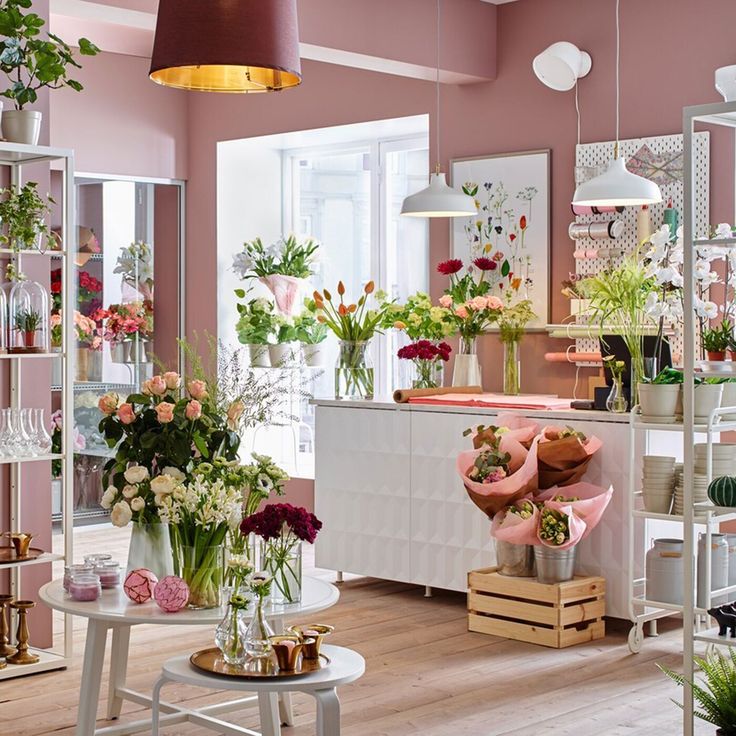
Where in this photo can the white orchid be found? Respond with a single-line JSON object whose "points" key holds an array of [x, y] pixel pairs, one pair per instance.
{"points": [[705, 309], [723, 230]]}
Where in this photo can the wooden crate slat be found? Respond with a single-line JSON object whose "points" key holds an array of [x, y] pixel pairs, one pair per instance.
{"points": [[491, 582], [570, 637], [525, 610], [513, 630], [582, 612], [579, 588]]}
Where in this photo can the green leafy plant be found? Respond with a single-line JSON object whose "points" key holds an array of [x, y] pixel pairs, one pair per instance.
{"points": [[514, 319], [256, 322], [29, 60], [287, 257], [27, 320], [718, 339], [23, 213], [668, 377], [284, 329], [715, 698], [308, 330]]}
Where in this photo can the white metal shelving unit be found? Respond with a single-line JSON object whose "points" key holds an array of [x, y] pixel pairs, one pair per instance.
{"points": [[16, 157]]}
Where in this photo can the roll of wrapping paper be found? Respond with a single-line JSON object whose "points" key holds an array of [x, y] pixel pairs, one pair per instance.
{"points": [[402, 395]]}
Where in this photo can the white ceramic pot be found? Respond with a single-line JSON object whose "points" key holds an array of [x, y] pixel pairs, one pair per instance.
{"points": [[658, 402], [22, 126], [259, 356], [729, 399], [315, 355], [466, 371], [281, 354], [707, 398]]}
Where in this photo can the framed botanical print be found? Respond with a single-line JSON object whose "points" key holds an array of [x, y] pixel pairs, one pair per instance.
{"points": [[512, 226]]}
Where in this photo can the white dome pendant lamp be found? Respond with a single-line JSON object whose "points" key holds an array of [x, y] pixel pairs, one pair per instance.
{"points": [[617, 186], [438, 199]]}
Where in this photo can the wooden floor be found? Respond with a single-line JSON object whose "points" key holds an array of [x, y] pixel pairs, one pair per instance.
{"points": [[425, 673]]}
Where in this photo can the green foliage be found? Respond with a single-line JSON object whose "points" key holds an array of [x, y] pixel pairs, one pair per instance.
{"points": [[27, 320], [256, 322], [420, 319], [667, 377], [287, 257], [31, 62], [718, 339], [23, 214], [284, 329], [308, 330], [513, 320], [715, 698]]}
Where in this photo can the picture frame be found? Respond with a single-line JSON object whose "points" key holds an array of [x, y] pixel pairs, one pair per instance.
{"points": [[508, 187]]}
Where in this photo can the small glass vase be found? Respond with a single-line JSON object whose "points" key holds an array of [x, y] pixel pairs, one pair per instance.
{"points": [[511, 368], [203, 570], [150, 548], [282, 559], [467, 368], [231, 635], [259, 633], [616, 401], [429, 373], [354, 371]]}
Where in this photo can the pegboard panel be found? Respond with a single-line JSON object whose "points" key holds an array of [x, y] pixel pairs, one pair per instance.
{"points": [[661, 159]]}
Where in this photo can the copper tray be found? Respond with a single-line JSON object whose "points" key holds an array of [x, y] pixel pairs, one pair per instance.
{"points": [[210, 660], [7, 554]]}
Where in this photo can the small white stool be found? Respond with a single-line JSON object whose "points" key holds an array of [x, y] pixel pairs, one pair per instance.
{"points": [[345, 666]]}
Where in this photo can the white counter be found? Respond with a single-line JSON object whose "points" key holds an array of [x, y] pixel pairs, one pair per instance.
{"points": [[393, 506]]}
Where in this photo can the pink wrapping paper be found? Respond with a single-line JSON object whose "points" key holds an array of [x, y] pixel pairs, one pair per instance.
{"points": [[285, 290], [576, 525], [593, 502], [512, 528]]}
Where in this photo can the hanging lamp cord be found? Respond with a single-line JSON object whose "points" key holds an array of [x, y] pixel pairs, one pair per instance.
{"points": [[618, 75], [437, 88]]}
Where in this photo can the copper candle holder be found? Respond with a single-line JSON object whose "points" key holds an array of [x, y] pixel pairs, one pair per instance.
{"points": [[22, 656], [287, 650], [21, 541], [311, 636], [5, 649]]}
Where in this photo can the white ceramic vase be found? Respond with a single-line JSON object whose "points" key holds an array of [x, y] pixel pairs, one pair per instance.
{"points": [[315, 355], [658, 402], [707, 398], [281, 354], [466, 371], [22, 126], [259, 356]]}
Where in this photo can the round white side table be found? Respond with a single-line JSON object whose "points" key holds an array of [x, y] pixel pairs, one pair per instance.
{"points": [[345, 666], [114, 611]]}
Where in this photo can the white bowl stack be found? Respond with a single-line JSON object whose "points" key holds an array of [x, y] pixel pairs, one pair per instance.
{"points": [[700, 490], [658, 483], [724, 459]]}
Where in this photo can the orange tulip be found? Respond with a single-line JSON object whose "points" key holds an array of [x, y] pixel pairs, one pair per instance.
{"points": [[328, 296], [369, 287], [317, 296], [352, 308], [321, 318], [342, 310], [340, 288]]}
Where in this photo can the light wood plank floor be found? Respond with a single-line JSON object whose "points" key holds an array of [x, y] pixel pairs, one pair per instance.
{"points": [[425, 673]]}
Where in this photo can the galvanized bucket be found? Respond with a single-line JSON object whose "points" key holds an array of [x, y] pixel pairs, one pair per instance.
{"points": [[554, 565], [515, 560]]}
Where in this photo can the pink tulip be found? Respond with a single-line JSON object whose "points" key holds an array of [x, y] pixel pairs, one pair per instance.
{"points": [[165, 412], [193, 410], [126, 414]]}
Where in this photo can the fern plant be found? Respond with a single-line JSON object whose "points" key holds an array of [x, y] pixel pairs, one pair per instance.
{"points": [[715, 699]]}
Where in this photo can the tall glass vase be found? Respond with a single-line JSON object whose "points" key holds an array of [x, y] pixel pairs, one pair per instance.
{"points": [[259, 633], [231, 635], [429, 373], [150, 548], [511, 367], [203, 569], [467, 368], [354, 371], [282, 559]]}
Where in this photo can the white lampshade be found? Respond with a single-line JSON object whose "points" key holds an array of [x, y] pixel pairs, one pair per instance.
{"points": [[560, 65], [438, 200], [617, 187]]}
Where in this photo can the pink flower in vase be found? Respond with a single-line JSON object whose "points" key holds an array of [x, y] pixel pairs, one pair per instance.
{"points": [[446, 301], [461, 312], [193, 410], [165, 412], [126, 414]]}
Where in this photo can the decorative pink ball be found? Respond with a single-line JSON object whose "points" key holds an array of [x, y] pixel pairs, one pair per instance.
{"points": [[171, 593], [139, 585]]}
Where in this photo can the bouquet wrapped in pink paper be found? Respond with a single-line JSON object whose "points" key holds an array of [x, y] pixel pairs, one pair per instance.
{"points": [[499, 473], [564, 455], [514, 428], [587, 501], [517, 523], [559, 528]]}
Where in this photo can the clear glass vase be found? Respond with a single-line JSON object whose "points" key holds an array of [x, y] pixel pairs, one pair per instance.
{"points": [[467, 368], [354, 371], [259, 633], [282, 559], [150, 548], [616, 401], [428, 374], [203, 569], [511, 368], [231, 635]]}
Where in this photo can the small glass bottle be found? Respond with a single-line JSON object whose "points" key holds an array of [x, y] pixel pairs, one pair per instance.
{"points": [[110, 573], [70, 570], [259, 633], [616, 401], [85, 587]]}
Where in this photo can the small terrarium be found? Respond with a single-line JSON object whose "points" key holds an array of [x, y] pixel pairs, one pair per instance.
{"points": [[28, 317], [3, 321]]}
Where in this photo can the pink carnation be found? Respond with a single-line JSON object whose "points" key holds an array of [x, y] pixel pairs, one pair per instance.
{"points": [[446, 301], [494, 303], [461, 312], [478, 303]]}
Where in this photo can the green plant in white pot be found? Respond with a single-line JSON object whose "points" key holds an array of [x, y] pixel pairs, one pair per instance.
{"points": [[254, 327], [660, 397], [23, 214], [282, 353], [311, 334], [32, 60]]}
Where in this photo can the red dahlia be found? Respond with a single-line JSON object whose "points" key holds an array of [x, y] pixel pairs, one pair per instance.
{"points": [[448, 268], [485, 264]]}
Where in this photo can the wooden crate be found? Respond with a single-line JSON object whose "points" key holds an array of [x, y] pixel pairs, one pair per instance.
{"points": [[558, 615]]}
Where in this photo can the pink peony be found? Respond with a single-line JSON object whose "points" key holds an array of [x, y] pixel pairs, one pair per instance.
{"points": [[479, 302], [158, 386], [494, 303], [165, 412], [126, 414], [197, 389], [193, 410], [108, 404], [446, 301], [172, 379], [461, 312]]}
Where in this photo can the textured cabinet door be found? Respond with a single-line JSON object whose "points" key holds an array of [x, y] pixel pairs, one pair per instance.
{"points": [[450, 535], [362, 484]]}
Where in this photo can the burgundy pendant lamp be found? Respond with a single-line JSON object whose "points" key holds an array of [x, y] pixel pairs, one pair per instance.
{"points": [[227, 45]]}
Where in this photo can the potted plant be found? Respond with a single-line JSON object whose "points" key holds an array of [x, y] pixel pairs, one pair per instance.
{"points": [[659, 398], [715, 341], [32, 60], [311, 334], [716, 696], [282, 352], [255, 325], [708, 397], [27, 322], [23, 214]]}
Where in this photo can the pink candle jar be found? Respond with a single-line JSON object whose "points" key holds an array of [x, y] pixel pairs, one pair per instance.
{"points": [[109, 573], [97, 558], [85, 586], [70, 570]]}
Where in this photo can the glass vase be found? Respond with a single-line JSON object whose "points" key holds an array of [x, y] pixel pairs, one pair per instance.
{"points": [[259, 633], [429, 373], [616, 401], [511, 368], [354, 371], [231, 635], [203, 569], [282, 559], [150, 548], [467, 368]]}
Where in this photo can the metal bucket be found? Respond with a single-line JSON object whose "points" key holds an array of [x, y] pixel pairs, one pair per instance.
{"points": [[515, 560], [554, 565]]}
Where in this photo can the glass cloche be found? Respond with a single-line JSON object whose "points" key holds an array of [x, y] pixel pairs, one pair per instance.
{"points": [[3, 321], [28, 316]]}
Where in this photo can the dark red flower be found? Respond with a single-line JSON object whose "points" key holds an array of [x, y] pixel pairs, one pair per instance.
{"points": [[484, 264], [448, 268], [282, 518], [522, 222]]}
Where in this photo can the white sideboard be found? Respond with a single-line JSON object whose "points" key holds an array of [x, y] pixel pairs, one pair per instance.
{"points": [[393, 506]]}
